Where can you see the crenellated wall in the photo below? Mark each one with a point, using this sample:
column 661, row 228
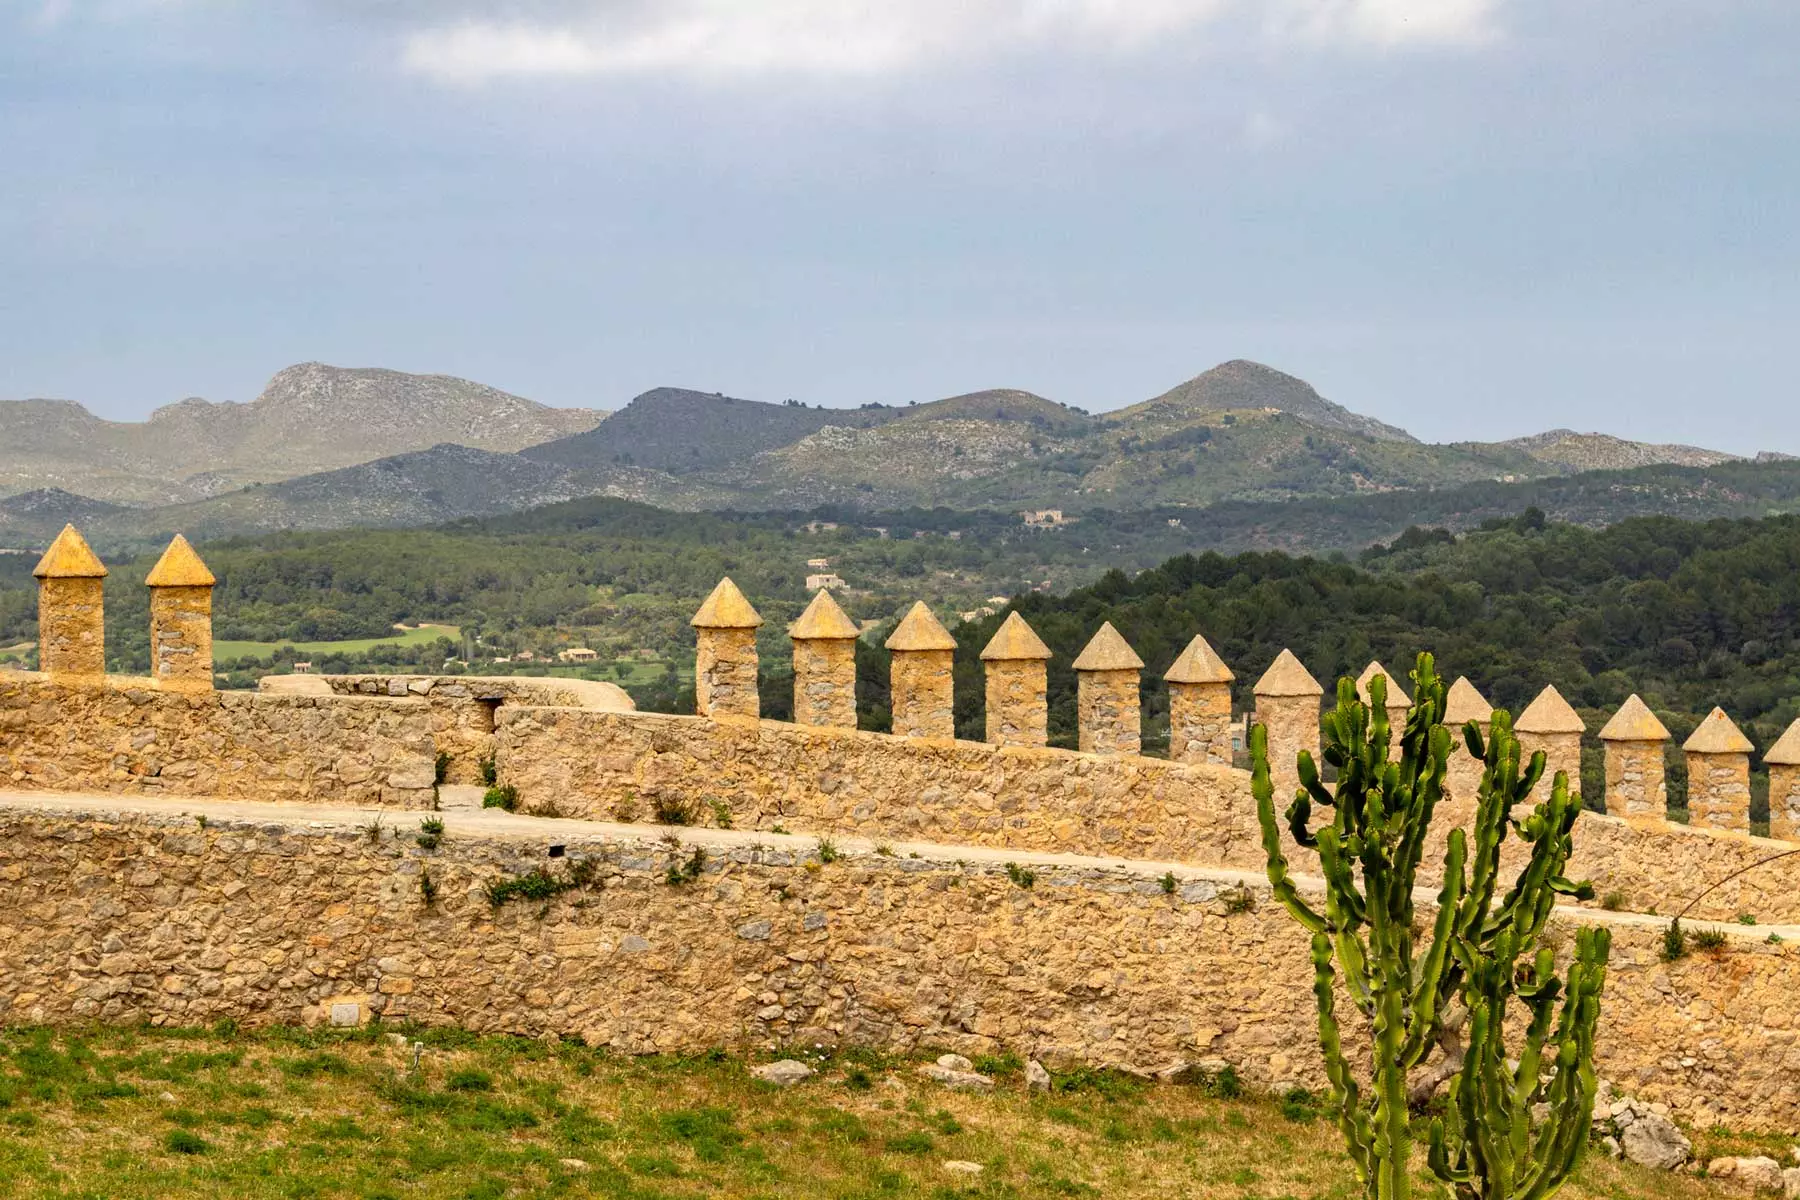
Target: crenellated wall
column 128, row 917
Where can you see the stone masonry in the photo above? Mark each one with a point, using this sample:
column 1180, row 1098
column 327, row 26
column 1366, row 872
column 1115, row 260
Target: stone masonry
column 824, row 664
column 181, row 640
column 1550, row 725
column 1783, row 761
column 1109, row 718
column 1462, row 774
column 1718, row 763
column 725, row 654
column 71, row 610
column 1287, row 704
column 1199, row 705
column 1635, row 778
column 921, row 678
column 125, row 917
column 1018, row 708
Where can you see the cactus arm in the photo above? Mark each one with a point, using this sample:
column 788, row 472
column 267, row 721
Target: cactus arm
column 1351, row 1119
column 1428, row 993
column 1280, row 882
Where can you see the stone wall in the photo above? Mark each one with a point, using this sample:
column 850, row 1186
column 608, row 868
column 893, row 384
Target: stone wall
column 602, row 765
column 127, row 736
column 462, row 706
column 137, row 917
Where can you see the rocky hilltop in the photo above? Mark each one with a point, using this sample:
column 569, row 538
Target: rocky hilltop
column 310, row 418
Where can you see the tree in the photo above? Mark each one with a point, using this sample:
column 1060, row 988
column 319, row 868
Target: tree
column 1450, row 995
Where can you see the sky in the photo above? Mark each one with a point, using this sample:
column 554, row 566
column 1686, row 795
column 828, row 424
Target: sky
column 1471, row 218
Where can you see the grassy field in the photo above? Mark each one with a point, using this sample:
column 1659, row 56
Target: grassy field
column 130, row 1114
column 226, row 651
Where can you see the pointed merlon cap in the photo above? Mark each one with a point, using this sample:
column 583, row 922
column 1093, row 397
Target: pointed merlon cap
column 180, row 567
column 824, row 621
column 1108, row 652
column 726, row 608
column 1634, row 722
column 1288, row 678
column 1199, row 663
column 1396, row 695
column 1014, row 640
column 1717, row 735
column 1786, row 752
column 1463, row 704
column 1550, row 713
column 919, row 630
column 70, row 557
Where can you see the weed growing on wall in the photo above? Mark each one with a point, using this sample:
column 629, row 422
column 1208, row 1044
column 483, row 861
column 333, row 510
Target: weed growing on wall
column 1019, row 875
column 686, row 871
column 506, row 797
column 431, row 833
column 490, row 773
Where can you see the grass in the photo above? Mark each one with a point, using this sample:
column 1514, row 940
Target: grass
column 422, row 635
column 133, row 1114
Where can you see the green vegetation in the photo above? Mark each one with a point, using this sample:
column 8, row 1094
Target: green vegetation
column 1487, row 1142
column 284, row 1113
column 1688, row 615
column 421, row 635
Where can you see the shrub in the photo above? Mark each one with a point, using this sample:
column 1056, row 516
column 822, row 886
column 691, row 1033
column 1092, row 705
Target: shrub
column 1020, row 876
column 185, row 1141
column 443, row 767
column 1709, row 939
column 1613, row 901
column 535, row 884
column 431, row 833
column 469, row 1080
column 674, row 810
column 686, row 872
column 490, row 774
column 1168, row 884
column 1674, row 944
column 506, row 797
column 428, row 889
column 828, row 851
column 1225, row 1084
column 721, row 812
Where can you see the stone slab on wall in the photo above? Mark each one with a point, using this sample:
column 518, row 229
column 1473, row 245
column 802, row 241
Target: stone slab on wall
column 127, row 736
column 127, row 917
column 598, row 765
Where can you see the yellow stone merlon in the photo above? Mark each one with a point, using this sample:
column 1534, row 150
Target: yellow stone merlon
column 1014, row 640
column 70, row 557
column 1288, row 678
column 1634, row 722
column 180, row 567
column 1463, row 704
column 726, row 608
column 919, row 630
column 1396, row 695
column 1550, row 713
column 1108, row 652
column 1786, row 752
column 823, row 620
column 1199, row 663
column 1718, row 735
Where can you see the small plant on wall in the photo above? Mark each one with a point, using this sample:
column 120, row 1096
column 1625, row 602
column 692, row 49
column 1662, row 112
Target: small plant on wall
column 1450, row 996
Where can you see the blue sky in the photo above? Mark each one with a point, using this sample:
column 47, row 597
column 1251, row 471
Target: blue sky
column 1473, row 218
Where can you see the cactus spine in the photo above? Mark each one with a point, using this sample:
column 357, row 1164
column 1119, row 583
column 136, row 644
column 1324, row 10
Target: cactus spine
column 1481, row 954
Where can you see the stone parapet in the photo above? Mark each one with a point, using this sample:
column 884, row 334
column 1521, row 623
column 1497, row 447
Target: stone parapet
column 1462, row 774
column 1199, row 685
column 1287, row 705
column 1636, row 787
column 1549, row 724
column 1396, row 704
column 825, row 664
column 725, row 662
column 1718, row 765
column 71, row 610
column 1108, row 709
column 1017, row 685
column 181, row 638
column 1783, row 762
column 921, row 676
column 131, row 736
column 1099, row 964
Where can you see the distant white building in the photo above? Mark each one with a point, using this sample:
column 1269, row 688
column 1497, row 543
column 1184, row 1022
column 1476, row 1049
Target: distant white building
column 577, row 654
column 824, row 582
column 1044, row 518
column 819, row 564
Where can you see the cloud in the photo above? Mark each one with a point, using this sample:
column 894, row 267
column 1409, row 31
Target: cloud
column 851, row 38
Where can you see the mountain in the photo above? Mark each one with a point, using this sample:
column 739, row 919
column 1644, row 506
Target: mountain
column 1241, row 384
column 310, row 418
column 1603, row 452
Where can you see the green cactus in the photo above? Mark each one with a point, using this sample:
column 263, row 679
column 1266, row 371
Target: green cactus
column 1451, row 994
